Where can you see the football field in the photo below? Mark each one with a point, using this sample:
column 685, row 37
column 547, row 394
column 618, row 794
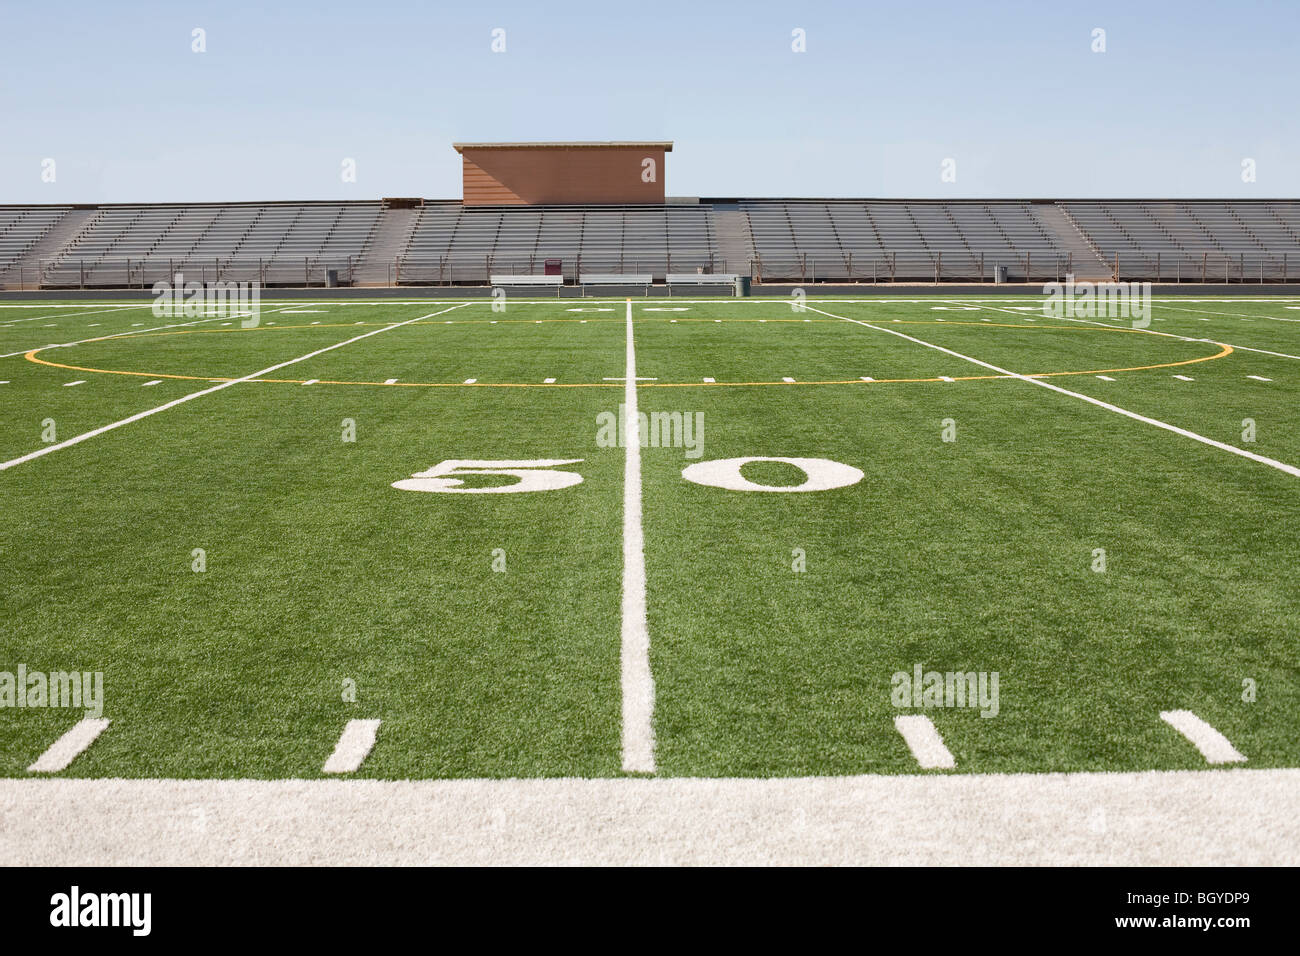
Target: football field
column 412, row 540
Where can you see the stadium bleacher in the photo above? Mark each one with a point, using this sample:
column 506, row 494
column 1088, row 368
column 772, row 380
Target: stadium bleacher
column 21, row 227
column 275, row 243
column 452, row 243
column 882, row 240
column 1194, row 239
column 773, row 240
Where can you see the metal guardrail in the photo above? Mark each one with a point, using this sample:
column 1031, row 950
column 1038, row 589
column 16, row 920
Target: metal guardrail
column 1164, row 267
column 128, row 272
column 460, row 271
column 803, row 268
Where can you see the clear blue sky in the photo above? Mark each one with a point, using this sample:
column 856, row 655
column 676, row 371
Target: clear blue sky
column 885, row 92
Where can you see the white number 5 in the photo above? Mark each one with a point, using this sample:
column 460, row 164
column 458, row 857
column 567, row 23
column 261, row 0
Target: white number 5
column 534, row 474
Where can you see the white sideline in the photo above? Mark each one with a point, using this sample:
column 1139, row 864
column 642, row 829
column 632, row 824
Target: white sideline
column 924, row 741
column 1235, row 816
column 638, row 685
column 1235, row 315
column 353, row 747
column 118, row 335
column 1214, row 747
column 1271, row 462
column 65, row 750
column 37, row 318
column 207, row 391
column 1169, row 335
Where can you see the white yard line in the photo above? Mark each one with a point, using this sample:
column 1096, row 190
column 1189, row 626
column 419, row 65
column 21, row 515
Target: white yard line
column 924, row 741
column 1170, row 335
column 353, row 747
column 118, row 335
column 1247, row 348
column 207, row 391
column 1213, row 745
column 638, row 684
column 1235, row 315
column 78, row 315
column 1209, row 817
column 1222, row 446
column 65, row 750
column 760, row 300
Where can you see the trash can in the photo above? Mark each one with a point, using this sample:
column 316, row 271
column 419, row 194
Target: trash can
column 742, row 286
column 999, row 274
column 331, row 278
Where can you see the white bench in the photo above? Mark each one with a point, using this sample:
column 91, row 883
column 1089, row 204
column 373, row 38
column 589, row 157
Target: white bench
column 600, row 278
column 528, row 280
column 699, row 278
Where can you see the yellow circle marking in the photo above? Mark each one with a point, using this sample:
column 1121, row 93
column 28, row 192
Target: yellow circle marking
column 1224, row 350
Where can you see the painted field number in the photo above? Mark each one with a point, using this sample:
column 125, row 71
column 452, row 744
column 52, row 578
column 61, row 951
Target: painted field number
column 543, row 474
column 534, row 474
column 820, row 474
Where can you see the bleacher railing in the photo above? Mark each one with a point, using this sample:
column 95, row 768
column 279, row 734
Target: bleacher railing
column 801, row 268
column 1163, row 267
column 141, row 273
column 461, row 271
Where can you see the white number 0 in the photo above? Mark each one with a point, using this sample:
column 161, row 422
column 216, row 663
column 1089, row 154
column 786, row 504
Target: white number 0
column 534, row 474
column 822, row 474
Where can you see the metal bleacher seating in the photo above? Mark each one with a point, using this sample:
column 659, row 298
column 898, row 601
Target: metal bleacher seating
column 274, row 243
column 829, row 239
column 1237, row 240
column 775, row 240
column 452, row 243
column 21, row 227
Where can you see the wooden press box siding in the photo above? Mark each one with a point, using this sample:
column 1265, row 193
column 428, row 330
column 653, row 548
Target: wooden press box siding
column 502, row 177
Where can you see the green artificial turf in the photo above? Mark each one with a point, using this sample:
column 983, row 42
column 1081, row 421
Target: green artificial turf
column 968, row 555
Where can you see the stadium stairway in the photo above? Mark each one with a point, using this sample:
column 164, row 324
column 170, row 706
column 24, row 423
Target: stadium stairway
column 391, row 237
column 735, row 244
column 26, row 272
column 1087, row 260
